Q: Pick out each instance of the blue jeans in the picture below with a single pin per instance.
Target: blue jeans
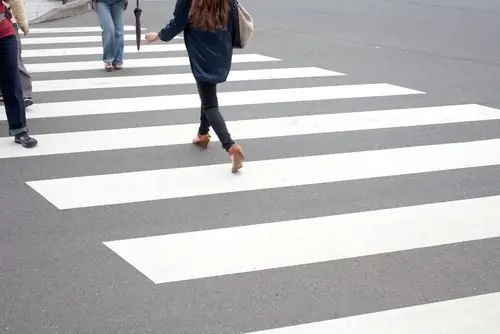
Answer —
(110, 14)
(23, 72)
(11, 87)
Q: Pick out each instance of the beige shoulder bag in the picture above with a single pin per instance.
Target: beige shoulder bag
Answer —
(242, 26)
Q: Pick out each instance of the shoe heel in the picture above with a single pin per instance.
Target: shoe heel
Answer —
(237, 157)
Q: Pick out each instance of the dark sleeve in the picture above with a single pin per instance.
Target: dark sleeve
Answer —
(178, 23)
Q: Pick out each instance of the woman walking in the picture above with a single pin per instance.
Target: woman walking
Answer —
(207, 27)
(110, 14)
(10, 81)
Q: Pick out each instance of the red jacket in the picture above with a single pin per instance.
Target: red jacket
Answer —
(6, 27)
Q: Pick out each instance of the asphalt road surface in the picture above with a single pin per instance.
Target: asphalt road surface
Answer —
(369, 202)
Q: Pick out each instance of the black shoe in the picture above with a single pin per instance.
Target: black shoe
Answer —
(25, 140)
(28, 102)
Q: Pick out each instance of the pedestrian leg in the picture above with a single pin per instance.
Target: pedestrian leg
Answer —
(210, 106)
(11, 88)
(108, 34)
(25, 76)
(202, 138)
(117, 10)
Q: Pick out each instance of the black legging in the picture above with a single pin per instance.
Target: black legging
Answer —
(211, 116)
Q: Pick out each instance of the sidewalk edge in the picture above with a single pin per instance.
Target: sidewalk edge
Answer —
(70, 9)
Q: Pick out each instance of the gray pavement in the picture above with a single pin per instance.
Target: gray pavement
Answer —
(40, 11)
(57, 276)
(36, 8)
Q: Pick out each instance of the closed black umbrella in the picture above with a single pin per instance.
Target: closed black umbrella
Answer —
(137, 13)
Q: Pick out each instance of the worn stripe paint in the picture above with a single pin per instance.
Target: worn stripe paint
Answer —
(73, 30)
(176, 79)
(209, 253)
(97, 50)
(140, 137)
(136, 63)
(477, 314)
(187, 101)
(74, 39)
(164, 184)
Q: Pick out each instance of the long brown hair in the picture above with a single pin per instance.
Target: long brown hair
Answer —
(209, 14)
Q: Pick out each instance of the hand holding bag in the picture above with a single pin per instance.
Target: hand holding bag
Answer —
(242, 26)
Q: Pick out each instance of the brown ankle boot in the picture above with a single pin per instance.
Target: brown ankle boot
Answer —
(201, 140)
(237, 158)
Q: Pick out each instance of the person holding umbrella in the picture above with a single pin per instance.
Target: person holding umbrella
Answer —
(207, 27)
(110, 14)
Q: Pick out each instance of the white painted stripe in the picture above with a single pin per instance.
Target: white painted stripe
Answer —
(478, 315)
(97, 50)
(186, 101)
(73, 30)
(201, 254)
(176, 79)
(135, 63)
(268, 174)
(75, 39)
(116, 139)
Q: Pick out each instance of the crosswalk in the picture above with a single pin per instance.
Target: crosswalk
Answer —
(264, 245)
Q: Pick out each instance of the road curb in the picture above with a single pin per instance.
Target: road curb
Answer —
(70, 9)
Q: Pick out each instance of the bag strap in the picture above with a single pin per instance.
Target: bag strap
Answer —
(236, 37)
(7, 14)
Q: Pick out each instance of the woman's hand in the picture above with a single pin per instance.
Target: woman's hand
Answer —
(25, 28)
(152, 37)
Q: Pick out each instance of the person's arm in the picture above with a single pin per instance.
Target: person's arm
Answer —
(18, 11)
(178, 23)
